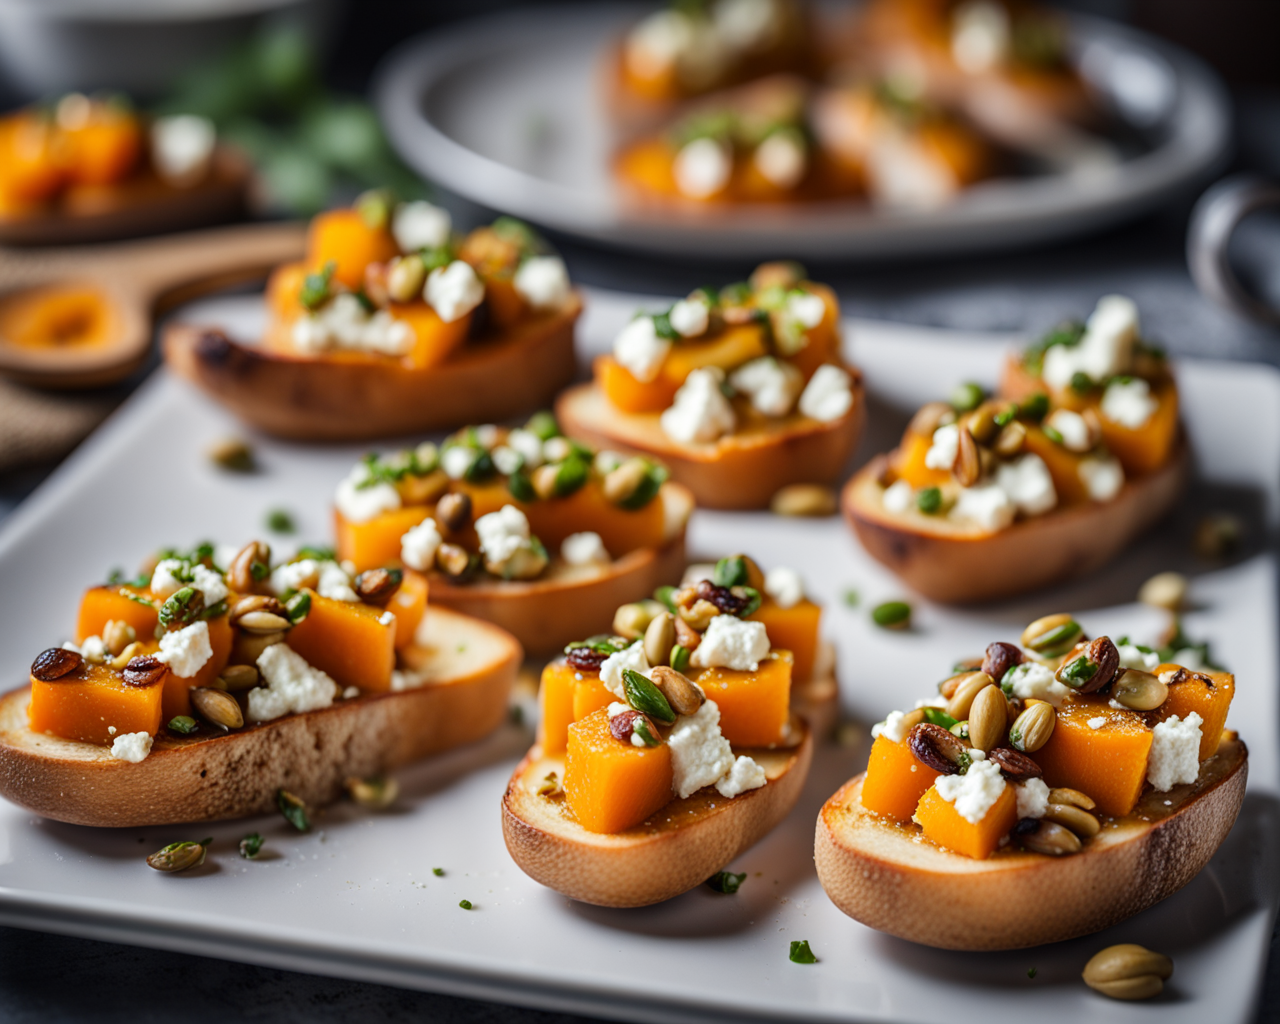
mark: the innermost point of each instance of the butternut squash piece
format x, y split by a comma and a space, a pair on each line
352, 642
435, 340
1108, 763
1209, 702
622, 530
101, 605
732, 347
409, 605
104, 150
1146, 449
375, 544
943, 824
283, 288
506, 305
487, 497
793, 629
895, 780
611, 786
626, 394
908, 463
650, 163
1063, 465
555, 706
89, 703
177, 689
589, 696
755, 707
343, 237
29, 170
59, 317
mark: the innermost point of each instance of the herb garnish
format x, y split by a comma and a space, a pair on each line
726, 882
801, 953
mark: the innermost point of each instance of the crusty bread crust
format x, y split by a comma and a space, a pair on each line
333, 399
953, 562
680, 847
470, 667
886, 876
743, 470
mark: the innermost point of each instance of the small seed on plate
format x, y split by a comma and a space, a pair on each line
1217, 536
179, 856
1050, 838
1128, 971
377, 793
234, 455
804, 500
235, 678
1166, 590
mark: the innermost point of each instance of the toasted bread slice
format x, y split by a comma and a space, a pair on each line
469, 668
681, 846
350, 399
571, 602
952, 562
742, 470
883, 874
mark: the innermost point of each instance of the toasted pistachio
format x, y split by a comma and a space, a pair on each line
405, 278
1052, 635
1138, 690
1164, 590
453, 511
251, 565
247, 647
686, 637
126, 656
631, 620
1080, 821
646, 698
183, 725
179, 856
999, 658
804, 500
263, 623
929, 418
117, 635
182, 608
960, 730
987, 718
631, 726
1048, 837
1032, 729
1065, 795
967, 466
967, 396
967, 689
699, 614
938, 749
453, 560
1128, 971
234, 455
298, 607
659, 636
683, 696
550, 785
216, 707
378, 586
377, 793
255, 603
235, 678
1012, 436
55, 663
1090, 667
1014, 766
544, 480
892, 615
143, 671
981, 423
621, 483
679, 657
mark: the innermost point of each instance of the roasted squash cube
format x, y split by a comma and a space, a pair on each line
611, 786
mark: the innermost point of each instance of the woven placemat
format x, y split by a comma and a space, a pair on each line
41, 426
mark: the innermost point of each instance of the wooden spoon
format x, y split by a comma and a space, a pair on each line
79, 318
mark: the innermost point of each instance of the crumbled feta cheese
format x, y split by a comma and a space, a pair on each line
503, 533
402, 680
420, 225
359, 502
785, 586
611, 669
506, 459
806, 308
943, 448
1028, 483
181, 147
1105, 349
1097, 723
186, 650
1103, 478
210, 584
557, 449
584, 548
772, 385
91, 648
1033, 681
1175, 752
1129, 402
639, 349
486, 435
543, 282
891, 728
418, 545
131, 746
335, 583
730, 642
702, 168
657, 42
293, 686
700, 413
1132, 657
981, 36
454, 291
1071, 427
899, 496
828, 395
975, 792
528, 445
744, 775
782, 159
746, 24
1033, 798
607, 461
295, 575
457, 459
986, 505
168, 577
700, 755
350, 693
345, 323
690, 317
1189, 658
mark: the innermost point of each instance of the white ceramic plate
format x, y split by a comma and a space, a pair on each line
357, 898
506, 111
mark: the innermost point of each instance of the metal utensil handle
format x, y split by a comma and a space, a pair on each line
1215, 218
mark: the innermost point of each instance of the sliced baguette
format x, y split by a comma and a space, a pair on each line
573, 602
743, 470
680, 847
350, 399
469, 667
961, 563
884, 875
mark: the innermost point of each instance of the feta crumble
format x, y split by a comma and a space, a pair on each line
335, 583
806, 309
527, 445
730, 642
1129, 402
975, 792
639, 349
1033, 681
420, 225
943, 448
1072, 428
1097, 723
453, 291
1027, 481
584, 548
543, 282
891, 728
503, 533
690, 317
359, 504
293, 686
987, 505
828, 395
745, 774
181, 147
1105, 349
785, 586
782, 159
702, 168
419, 544
898, 496
457, 459
91, 648
131, 746
1102, 478
611, 669
1175, 752
701, 756
773, 386
345, 323
186, 650
700, 413
1132, 657
1033, 798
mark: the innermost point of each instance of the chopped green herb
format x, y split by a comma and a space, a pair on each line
640, 727
465, 904
521, 487
936, 716
603, 643
298, 607
318, 554
851, 598
251, 846
1053, 435
183, 725
801, 953
967, 396
726, 882
543, 425
137, 598
1078, 671
571, 475
730, 572
1031, 972
647, 489
754, 601
374, 207
1035, 408
679, 658
929, 500
315, 287
892, 615
662, 327
182, 608
1081, 382
438, 872
645, 697
293, 809
280, 521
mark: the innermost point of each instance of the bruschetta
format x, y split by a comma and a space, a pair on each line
1055, 788
195, 693
739, 392
394, 325
667, 748
525, 528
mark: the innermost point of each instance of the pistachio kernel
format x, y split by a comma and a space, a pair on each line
453, 511
179, 856
1128, 971
377, 793
378, 586
55, 663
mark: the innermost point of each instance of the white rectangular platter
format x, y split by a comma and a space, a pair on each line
357, 897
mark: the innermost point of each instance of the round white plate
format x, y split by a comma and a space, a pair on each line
507, 111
